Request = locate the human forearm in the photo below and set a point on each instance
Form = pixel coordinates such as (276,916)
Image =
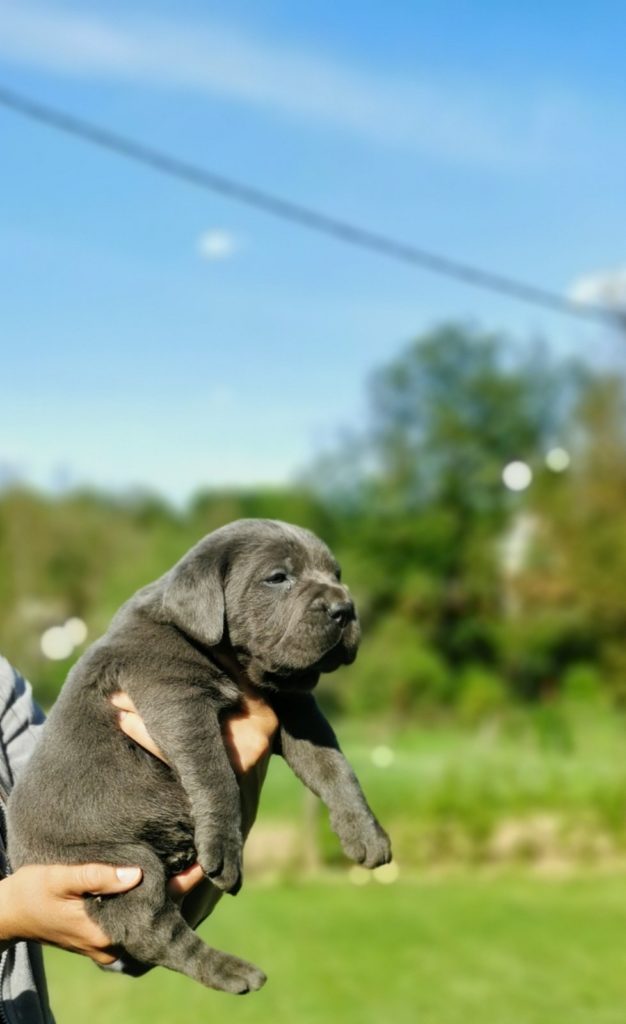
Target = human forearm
(8,922)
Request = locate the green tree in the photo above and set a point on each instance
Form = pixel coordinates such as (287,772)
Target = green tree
(446,416)
(575,578)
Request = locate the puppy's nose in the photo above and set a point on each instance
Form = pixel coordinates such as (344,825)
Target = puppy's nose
(342,612)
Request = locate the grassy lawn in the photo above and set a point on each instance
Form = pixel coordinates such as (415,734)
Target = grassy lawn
(470,948)
(504,950)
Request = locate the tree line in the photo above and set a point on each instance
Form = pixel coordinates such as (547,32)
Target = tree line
(473,596)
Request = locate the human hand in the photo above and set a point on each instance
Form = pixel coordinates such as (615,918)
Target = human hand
(45,903)
(247,734)
(181,884)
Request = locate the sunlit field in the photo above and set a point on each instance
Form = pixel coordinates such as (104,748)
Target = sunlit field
(471,930)
(495,951)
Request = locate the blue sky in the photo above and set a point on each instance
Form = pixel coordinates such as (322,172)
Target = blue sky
(155,335)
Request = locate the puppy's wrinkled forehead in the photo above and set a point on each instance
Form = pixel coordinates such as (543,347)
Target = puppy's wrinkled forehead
(276,545)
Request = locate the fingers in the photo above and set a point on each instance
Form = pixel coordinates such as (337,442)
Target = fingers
(247,742)
(96,879)
(121,700)
(179,885)
(131,723)
(102,958)
(249,733)
(247,736)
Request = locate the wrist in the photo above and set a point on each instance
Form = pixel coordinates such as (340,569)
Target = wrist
(8,912)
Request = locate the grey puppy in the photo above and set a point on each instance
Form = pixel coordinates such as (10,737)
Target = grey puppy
(262,596)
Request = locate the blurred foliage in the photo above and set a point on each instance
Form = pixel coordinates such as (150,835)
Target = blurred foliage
(532,785)
(473,598)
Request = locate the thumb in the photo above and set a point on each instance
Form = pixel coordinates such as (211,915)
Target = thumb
(78,879)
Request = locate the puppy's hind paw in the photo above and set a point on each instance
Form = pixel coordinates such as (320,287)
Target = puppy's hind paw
(230,974)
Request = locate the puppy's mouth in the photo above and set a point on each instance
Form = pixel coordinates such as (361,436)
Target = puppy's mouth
(295,662)
(337,655)
(305,677)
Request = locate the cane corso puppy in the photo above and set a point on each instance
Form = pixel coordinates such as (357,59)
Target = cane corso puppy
(263,596)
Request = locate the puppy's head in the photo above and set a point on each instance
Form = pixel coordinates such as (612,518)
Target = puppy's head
(273,592)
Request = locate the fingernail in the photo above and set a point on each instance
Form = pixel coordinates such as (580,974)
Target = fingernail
(128,875)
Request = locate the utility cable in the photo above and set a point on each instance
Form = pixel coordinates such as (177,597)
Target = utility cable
(297,213)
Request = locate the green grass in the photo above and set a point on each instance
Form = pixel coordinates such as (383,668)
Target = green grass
(472,947)
(506,950)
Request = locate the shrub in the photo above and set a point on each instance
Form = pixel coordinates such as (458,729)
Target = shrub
(481,694)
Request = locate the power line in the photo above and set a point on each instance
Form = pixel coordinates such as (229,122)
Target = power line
(296,213)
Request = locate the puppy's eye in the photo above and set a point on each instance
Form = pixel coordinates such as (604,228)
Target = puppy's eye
(338,572)
(277,577)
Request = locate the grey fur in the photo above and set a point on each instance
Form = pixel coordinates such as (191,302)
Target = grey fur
(263,592)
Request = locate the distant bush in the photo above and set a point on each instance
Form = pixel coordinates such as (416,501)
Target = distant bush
(583,682)
(398,672)
(481,694)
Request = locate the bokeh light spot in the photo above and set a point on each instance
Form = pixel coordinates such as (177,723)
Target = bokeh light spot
(56,643)
(558,460)
(359,875)
(517,476)
(382,756)
(76,629)
(387,874)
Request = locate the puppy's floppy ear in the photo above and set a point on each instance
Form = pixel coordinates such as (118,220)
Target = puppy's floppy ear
(192,598)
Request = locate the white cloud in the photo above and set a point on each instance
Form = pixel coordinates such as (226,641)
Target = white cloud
(601,288)
(217,244)
(458,122)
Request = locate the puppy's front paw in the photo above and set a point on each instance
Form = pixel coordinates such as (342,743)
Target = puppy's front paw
(363,840)
(220,859)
